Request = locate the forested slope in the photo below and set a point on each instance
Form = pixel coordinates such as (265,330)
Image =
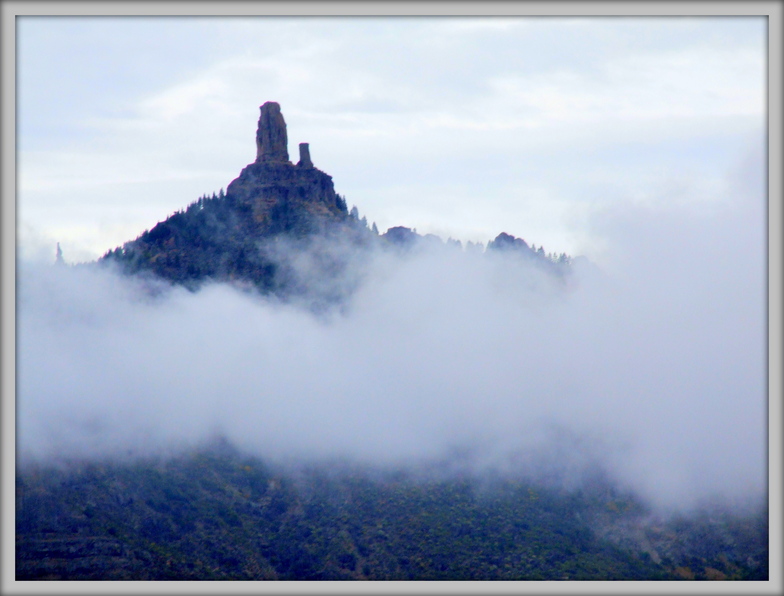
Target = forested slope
(216,514)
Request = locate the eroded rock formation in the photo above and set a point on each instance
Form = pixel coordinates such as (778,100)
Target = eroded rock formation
(283,197)
(304,156)
(271,139)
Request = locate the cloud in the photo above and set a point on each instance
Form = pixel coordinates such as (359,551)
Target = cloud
(653,370)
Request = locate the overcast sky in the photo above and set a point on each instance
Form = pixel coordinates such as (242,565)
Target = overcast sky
(462,127)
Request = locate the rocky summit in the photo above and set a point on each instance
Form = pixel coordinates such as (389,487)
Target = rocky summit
(235,235)
(283,197)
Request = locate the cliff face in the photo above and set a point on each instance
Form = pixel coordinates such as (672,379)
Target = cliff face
(283,197)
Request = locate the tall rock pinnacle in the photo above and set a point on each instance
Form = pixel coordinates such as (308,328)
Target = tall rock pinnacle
(271,138)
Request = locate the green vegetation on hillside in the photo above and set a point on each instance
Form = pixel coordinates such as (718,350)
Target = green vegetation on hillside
(215,514)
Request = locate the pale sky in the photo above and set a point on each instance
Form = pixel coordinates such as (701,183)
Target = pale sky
(462,127)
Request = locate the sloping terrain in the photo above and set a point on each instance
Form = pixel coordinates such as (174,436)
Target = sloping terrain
(216,514)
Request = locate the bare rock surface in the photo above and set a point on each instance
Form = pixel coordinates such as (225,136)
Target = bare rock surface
(271,138)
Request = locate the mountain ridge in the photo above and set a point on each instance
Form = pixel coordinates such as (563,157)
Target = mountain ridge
(236,236)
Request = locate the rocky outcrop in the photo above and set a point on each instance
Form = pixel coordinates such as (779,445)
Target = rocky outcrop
(505,242)
(280,196)
(286,198)
(271,139)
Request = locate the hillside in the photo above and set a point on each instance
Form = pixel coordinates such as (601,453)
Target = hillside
(216,514)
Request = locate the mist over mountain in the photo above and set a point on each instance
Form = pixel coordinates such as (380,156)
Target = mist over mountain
(274,318)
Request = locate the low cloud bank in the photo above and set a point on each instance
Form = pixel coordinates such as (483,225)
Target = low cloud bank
(654,370)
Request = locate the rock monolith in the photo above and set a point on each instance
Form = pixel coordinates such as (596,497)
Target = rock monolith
(271,138)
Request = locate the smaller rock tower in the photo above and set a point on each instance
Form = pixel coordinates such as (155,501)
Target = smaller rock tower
(304,156)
